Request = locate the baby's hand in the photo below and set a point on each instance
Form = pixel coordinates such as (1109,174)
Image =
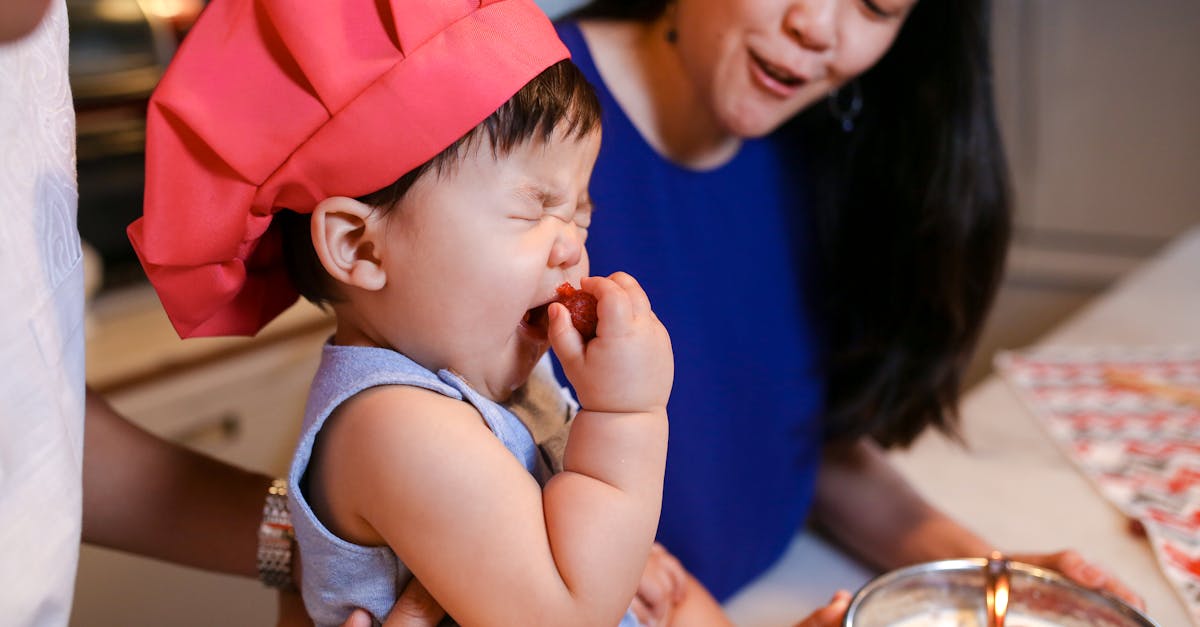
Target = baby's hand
(662,586)
(628,366)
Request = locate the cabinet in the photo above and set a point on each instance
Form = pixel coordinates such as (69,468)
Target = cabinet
(240,400)
(1097,105)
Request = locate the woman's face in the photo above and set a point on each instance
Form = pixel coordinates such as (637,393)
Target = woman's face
(757,63)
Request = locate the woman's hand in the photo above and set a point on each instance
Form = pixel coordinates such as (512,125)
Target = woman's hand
(663,584)
(414,608)
(1082,572)
(831,615)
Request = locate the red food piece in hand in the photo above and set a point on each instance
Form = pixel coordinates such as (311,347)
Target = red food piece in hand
(582,306)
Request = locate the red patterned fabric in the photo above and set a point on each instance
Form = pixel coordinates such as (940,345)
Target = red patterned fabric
(1130,419)
(274,104)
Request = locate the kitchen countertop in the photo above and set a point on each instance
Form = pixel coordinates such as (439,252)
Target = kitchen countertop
(1011,484)
(130,340)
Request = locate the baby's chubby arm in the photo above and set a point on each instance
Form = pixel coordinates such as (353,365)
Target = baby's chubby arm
(614,459)
(422,473)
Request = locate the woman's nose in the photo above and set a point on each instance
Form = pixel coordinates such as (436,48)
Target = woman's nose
(812,23)
(568,247)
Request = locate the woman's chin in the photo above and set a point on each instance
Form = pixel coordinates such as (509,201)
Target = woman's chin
(755,119)
(751,126)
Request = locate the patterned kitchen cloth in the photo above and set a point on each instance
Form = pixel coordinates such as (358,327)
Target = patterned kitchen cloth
(1130,419)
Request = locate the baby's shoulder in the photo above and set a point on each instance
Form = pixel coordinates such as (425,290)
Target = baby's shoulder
(402,411)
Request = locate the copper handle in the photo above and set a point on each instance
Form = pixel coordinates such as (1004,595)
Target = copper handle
(997,589)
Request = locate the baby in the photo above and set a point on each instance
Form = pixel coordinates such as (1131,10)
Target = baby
(422,169)
(437,283)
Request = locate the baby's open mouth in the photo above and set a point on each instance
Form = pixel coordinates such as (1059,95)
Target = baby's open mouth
(537,319)
(580,304)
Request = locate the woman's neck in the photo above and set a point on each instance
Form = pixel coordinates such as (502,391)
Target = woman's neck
(643,72)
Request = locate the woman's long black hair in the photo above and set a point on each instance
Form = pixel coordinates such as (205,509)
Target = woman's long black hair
(912,222)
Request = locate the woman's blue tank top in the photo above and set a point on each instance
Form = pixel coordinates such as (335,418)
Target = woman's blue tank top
(723,255)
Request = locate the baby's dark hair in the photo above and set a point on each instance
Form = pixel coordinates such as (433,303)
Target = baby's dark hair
(560,99)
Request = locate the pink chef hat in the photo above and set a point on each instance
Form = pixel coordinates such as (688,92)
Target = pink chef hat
(274,104)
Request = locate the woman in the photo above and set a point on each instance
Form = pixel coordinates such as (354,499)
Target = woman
(813,193)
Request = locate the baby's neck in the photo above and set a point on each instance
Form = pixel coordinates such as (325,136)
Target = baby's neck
(351,330)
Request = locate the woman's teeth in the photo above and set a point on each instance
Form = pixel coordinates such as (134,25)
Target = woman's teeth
(780,74)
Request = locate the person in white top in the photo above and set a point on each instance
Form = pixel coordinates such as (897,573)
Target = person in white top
(112,484)
(41,332)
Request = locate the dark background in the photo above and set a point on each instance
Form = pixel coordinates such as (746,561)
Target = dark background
(118,51)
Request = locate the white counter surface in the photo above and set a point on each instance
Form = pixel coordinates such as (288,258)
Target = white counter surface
(1012,485)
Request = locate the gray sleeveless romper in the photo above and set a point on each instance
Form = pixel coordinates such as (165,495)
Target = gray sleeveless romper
(340,576)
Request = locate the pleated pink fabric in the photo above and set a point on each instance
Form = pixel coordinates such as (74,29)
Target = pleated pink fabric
(273,104)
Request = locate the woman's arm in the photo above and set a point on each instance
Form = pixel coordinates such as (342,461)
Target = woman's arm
(872,511)
(148,496)
(19,17)
(867,507)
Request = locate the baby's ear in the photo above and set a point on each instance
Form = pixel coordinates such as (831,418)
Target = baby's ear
(345,234)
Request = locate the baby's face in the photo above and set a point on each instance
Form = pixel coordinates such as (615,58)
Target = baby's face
(474,248)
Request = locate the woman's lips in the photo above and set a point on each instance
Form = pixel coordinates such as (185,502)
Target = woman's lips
(776,79)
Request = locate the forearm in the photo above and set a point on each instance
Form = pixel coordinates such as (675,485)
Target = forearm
(625,450)
(602,510)
(148,496)
(19,17)
(870,509)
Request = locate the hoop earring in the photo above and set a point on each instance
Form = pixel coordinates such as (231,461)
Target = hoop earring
(846,112)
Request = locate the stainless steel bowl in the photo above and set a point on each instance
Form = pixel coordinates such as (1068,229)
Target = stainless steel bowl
(985,593)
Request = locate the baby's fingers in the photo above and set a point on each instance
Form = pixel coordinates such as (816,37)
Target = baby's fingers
(564,339)
(613,307)
(656,591)
(650,616)
(639,302)
(670,571)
